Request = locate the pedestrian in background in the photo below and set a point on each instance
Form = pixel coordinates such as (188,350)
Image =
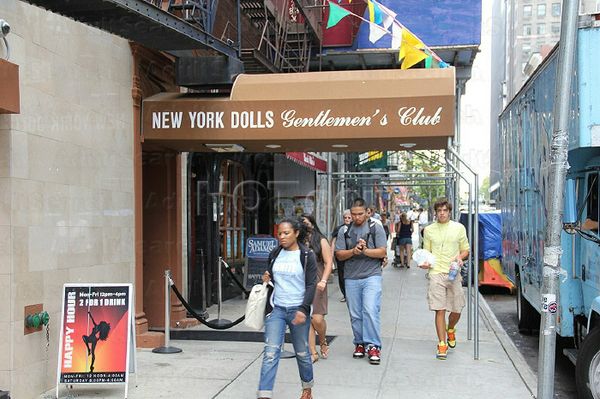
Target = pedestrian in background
(385,222)
(292,272)
(340,263)
(447,241)
(319,244)
(363,247)
(404,241)
(373,215)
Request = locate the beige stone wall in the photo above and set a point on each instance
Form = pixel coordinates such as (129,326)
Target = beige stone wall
(66,181)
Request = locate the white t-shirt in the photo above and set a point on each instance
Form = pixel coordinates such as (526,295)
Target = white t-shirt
(288,275)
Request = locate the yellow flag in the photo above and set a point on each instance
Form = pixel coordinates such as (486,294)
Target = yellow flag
(409,41)
(371,11)
(412,57)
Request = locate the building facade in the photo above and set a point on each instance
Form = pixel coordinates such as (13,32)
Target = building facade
(84,197)
(66,181)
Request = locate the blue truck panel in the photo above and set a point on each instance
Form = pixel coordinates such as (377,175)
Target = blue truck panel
(526,125)
(589,89)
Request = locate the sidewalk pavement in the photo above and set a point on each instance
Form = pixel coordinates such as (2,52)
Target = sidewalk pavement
(408,369)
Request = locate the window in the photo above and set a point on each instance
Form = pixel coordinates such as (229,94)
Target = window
(232,205)
(555,28)
(592,200)
(541,29)
(541,10)
(527,30)
(556,9)
(526,50)
(527,11)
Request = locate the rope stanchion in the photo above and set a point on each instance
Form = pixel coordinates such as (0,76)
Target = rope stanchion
(219,321)
(167,348)
(235,280)
(211,324)
(199,318)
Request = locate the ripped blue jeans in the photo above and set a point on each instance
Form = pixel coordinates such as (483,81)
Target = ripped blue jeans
(275,324)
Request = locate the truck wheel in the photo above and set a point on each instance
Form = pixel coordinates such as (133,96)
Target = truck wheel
(587,370)
(528,317)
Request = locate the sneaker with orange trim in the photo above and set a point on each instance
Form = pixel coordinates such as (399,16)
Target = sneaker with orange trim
(451,337)
(442,351)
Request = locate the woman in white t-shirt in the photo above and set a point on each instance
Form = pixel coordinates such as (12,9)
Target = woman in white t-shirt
(292,272)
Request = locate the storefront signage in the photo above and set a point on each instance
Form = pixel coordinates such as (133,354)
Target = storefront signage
(96,334)
(257,258)
(171,117)
(372,160)
(293,118)
(308,160)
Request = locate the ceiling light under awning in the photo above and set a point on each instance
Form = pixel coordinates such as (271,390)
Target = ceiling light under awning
(225,147)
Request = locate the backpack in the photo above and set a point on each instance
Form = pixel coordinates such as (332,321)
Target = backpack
(371,234)
(372,230)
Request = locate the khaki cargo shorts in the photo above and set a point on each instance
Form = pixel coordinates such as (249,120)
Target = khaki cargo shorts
(444,294)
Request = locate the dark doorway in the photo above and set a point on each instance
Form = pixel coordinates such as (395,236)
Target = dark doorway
(229,201)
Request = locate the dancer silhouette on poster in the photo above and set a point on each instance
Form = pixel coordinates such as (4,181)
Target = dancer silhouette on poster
(99,332)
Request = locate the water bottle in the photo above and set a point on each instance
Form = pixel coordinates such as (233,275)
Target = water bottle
(453,271)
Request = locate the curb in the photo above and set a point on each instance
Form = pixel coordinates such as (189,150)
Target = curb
(517,359)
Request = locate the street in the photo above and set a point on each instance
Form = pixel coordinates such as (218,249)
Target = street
(504,307)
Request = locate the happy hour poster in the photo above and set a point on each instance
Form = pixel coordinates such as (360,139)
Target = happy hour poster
(95,334)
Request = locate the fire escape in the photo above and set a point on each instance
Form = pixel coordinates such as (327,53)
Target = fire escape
(285,34)
(204,35)
(285,40)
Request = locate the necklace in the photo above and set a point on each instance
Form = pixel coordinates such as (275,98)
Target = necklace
(446,227)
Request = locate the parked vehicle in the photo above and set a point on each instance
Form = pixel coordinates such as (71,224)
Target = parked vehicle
(526,131)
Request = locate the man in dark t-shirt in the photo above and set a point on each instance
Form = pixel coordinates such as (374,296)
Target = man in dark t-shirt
(362,248)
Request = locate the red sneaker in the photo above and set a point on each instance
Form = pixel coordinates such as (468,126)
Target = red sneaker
(374,355)
(359,351)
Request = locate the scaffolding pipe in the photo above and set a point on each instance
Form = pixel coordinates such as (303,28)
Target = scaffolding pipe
(384,173)
(395,179)
(329,206)
(475,251)
(470,259)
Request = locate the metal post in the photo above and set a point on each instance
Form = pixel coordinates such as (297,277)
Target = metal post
(476,268)
(219,321)
(239,28)
(167,348)
(457,137)
(469,268)
(475,250)
(554,204)
(329,205)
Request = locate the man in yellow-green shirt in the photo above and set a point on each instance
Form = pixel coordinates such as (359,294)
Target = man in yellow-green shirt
(447,241)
